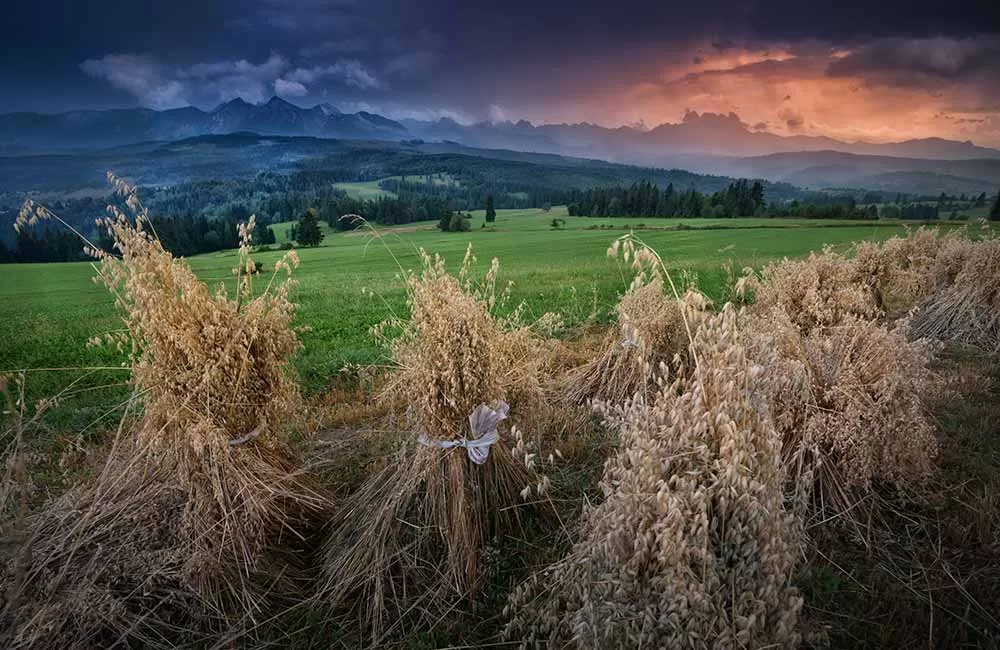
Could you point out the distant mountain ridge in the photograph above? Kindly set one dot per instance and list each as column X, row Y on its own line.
column 697, row 135
column 817, row 169
column 707, row 143
column 705, row 134
column 243, row 155
column 102, row 129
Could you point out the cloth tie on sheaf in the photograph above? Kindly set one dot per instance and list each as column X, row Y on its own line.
column 483, row 423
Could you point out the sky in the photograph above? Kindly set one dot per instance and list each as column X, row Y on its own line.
column 878, row 71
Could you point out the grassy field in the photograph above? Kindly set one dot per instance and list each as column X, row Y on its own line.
column 368, row 190
column 927, row 568
column 353, row 281
column 364, row 191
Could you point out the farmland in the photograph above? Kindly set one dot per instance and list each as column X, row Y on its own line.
column 404, row 326
column 554, row 263
column 364, row 190
column 352, row 282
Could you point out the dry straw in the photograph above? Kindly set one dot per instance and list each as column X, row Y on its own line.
column 849, row 403
column 692, row 547
column 847, row 391
column 412, row 539
column 180, row 529
column 903, row 271
column 650, row 330
column 967, row 310
column 820, row 291
column 950, row 279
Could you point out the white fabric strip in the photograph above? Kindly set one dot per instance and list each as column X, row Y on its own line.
column 483, row 423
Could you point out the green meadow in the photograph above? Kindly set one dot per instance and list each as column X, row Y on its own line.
column 365, row 191
column 370, row 190
column 353, row 281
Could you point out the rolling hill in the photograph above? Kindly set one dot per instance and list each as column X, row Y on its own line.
column 887, row 173
column 705, row 143
column 320, row 160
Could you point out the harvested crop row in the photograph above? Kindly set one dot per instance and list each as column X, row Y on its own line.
column 412, row 539
column 189, row 525
column 692, row 546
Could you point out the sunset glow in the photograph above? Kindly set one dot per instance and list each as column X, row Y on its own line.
column 786, row 93
column 858, row 71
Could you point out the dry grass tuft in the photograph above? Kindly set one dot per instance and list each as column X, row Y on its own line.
column 848, row 402
column 177, row 531
column 650, row 331
column 692, row 547
column 412, row 539
column 821, row 291
column 968, row 309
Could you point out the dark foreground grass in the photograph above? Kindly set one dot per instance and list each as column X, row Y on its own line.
column 927, row 573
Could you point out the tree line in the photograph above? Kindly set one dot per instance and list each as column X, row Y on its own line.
column 742, row 198
column 183, row 236
column 191, row 233
column 42, row 243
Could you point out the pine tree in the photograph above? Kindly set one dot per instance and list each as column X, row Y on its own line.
column 995, row 212
column 308, row 233
column 757, row 196
column 491, row 213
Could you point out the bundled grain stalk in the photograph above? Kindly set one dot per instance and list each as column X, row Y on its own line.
column 949, row 280
column 692, row 547
column 968, row 309
column 903, row 271
column 411, row 540
column 846, row 391
column 849, row 404
column 180, row 527
column 822, row 290
column 649, row 331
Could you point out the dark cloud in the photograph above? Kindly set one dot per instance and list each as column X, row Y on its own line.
column 724, row 45
column 854, row 21
column 908, row 61
column 471, row 57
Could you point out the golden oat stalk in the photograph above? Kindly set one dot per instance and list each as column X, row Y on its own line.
column 651, row 329
column 412, row 540
column 179, row 530
column 692, row 547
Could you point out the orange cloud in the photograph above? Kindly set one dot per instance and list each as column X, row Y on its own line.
column 825, row 91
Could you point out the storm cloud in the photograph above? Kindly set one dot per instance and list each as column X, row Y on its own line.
column 840, row 69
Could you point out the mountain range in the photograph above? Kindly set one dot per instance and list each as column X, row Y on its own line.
column 706, row 143
column 32, row 132
column 822, row 169
column 696, row 136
